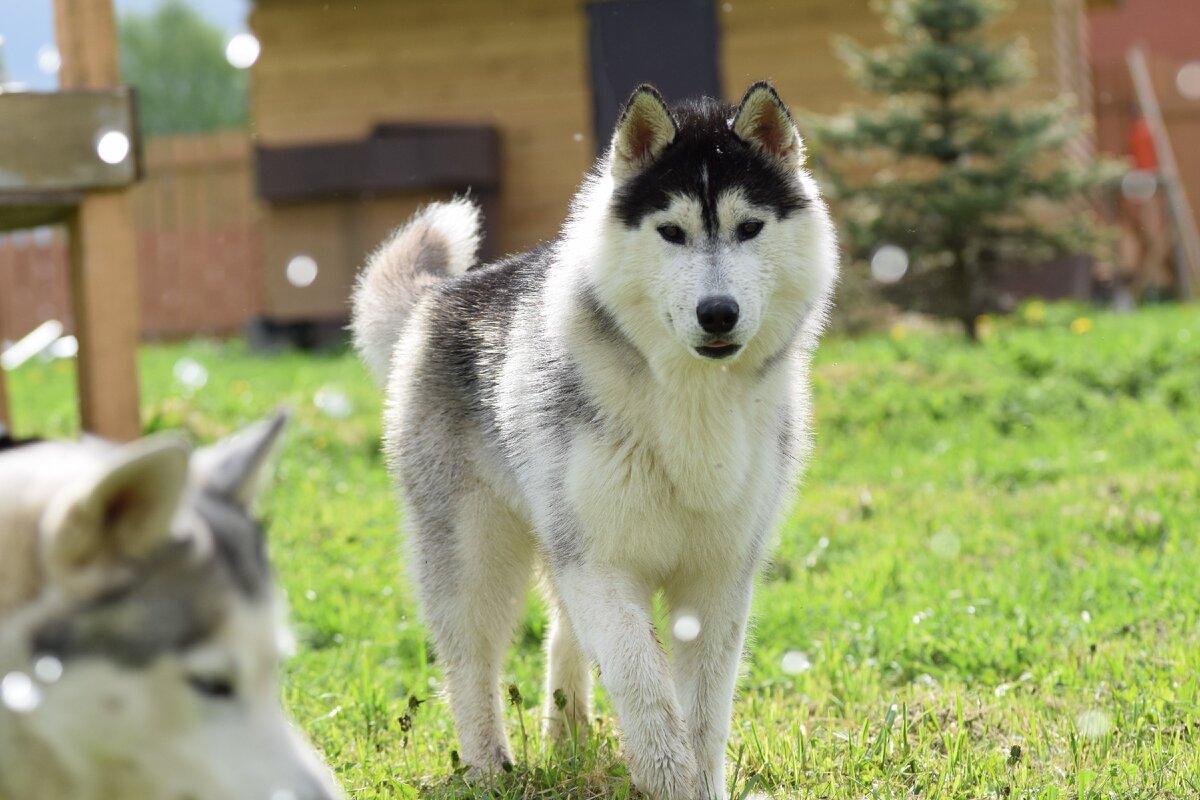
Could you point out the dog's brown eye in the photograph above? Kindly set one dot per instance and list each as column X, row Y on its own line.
column 749, row 229
column 213, row 687
column 672, row 233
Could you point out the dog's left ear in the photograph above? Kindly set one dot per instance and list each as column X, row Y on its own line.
column 763, row 122
column 644, row 131
column 237, row 467
column 121, row 512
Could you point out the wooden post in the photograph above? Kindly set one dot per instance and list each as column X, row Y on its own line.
column 1187, row 238
column 104, row 287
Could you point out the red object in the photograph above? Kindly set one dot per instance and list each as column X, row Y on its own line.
column 1141, row 145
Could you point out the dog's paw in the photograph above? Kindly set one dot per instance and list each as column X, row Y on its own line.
column 669, row 774
column 487, row 766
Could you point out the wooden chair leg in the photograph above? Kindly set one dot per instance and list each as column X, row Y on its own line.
column 104, row 296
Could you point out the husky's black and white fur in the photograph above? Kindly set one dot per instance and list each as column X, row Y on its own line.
column 140, row 629
column 627, row 405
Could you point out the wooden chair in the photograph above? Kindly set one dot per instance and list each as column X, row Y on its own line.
column 68, row 157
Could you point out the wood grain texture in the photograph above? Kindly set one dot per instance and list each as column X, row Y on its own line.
column 48, row 140
column 102, row 246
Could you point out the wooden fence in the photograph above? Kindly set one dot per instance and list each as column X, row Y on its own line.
column 199, row 246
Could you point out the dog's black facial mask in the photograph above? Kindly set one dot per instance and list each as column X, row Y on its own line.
column 703, row 149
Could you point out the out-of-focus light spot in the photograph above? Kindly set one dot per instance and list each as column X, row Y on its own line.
column 1081, row 325
column 18, row 693
column 283, row 794
column 794, row 662
column 112, row 147
column 1139, row 184
column 945, row 544
column 31, row 344
column 333, row 402
column 48, row 669
column 310, row 595
column 578, row 137
column 889, row 264
column 301, row 271
column 898, row 332
column 242, row 50
column 64, row 347
column 48, row 59
column 1187, row 80
column 190, row 374
column 1093, row 724
column 727, row 7
column 1086, row 616
column 686, row 628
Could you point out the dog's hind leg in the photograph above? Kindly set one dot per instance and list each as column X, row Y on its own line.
column 473, row 565
column 568, row 683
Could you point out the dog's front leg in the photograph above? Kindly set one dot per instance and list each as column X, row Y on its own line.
column 706, row 666
column 610, row 613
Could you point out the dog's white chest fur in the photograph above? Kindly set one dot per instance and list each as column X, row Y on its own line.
column 669, row 478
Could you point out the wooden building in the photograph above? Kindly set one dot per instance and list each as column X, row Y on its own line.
column 520, row 95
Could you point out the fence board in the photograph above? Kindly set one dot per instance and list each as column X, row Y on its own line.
column 199, row 246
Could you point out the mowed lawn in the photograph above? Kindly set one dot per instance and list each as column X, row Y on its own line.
column 987, row 586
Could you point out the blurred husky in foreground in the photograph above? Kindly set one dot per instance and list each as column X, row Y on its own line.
column 627, row 405
column 140, row 630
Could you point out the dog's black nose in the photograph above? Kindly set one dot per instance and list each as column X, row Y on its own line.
column 717, row 314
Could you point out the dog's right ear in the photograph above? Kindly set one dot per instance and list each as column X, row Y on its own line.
column 644, row 130
column 118, row 513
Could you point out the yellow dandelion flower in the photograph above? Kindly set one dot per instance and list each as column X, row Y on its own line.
column 1035, row 312
column 1081, row 325
column 983, row 326
column 898, row 332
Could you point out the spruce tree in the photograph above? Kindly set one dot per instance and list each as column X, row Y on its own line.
column 948, row 168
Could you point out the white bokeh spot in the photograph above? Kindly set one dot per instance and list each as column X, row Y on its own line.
column 112, row 147
column 242, row 50
column 301, row 271
column 49, row 60
column 794, row 662
column 19, row 693
column 889, row 263
column 686, row 628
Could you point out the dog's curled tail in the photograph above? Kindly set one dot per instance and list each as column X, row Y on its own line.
column 441, row 239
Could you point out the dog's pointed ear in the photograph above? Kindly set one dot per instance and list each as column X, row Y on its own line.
column 120, row 512
column 764, row 123
column 237, row 467
column 644, row 130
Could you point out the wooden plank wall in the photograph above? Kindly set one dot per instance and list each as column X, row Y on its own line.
column 330, row 71
column 199, row 246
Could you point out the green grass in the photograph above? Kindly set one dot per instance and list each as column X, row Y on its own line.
column 990, row 571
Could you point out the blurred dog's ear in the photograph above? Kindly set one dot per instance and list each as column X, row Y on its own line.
column 119, row 513
column 644, row 130
column 237, row 467
column 763, row 122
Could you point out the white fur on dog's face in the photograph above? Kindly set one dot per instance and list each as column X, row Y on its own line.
column 699, row 178
column 157, row 614
column 654, row 286
column 203, row 724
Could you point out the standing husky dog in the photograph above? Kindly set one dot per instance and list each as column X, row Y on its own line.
column 139, row 627
column 628, row 404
